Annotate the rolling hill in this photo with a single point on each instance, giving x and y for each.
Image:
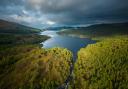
(26, 65)
(98, 30)
(15, 28)
(103, 65)
(13, 33)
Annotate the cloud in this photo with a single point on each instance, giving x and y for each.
(50, 22)
(65, 12)
(82, 11)
(11, 2)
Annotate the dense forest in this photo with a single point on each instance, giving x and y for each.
(32, 67)
(103, 65)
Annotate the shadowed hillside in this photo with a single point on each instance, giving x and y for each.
(15, 28)
(12, 33)
(98, 30)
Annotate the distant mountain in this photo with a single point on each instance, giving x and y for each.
(99, 30)
(11, 27)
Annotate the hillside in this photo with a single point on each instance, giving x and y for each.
(24, 64)
(15, 34)
(32, 67)
(98, 30)
(103, 65)
(15, 28)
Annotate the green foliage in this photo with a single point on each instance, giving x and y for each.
(16, 39)
(15, 34)
(23, 65)
(103, 65)
(32, 67)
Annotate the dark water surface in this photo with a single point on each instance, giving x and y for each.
(72, 43)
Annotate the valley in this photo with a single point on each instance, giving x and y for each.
(56, 60)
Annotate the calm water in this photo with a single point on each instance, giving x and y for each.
(71, 43)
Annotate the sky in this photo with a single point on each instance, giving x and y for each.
(49, 13)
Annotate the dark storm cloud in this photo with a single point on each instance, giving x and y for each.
(10, 2)
(8, 7)
(82, 11)
(66, 12)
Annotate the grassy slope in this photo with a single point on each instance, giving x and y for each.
(103, 65)
(32, 67)
(24, 65)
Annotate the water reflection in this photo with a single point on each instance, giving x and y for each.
(71, 43)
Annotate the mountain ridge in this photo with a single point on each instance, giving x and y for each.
(98, 30)
(12, 27)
